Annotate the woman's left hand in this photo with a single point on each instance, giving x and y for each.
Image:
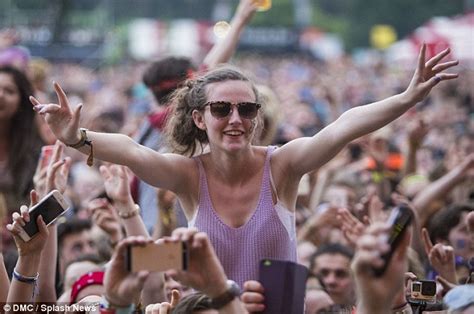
(429, 74)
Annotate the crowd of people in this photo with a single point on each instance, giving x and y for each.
(282, 158)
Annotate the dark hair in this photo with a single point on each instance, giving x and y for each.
(443, 221)
(72, 226)
(183, 135)
(25, 141)
(193, 302)
(162, 77)
(332, 249)
(92, 258)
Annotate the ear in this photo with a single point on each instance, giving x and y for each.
(198, 118)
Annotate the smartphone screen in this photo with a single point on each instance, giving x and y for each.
(158, 257)
(49, 208)
(399, 220)
(284, 283)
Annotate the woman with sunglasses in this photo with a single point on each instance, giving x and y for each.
(242, 195)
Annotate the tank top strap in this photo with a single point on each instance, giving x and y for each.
(203, 190)
(267, 185)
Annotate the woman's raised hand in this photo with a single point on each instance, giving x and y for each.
(60, 118)
(429, 74)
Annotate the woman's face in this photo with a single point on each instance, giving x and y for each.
(9, 97)
(233, 132)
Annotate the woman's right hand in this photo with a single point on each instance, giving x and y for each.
(60, 118)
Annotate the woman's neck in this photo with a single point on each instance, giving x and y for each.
(235, 166)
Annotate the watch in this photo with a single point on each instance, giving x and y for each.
(233, 291)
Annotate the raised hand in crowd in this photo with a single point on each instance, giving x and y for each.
(441, 258)
(416, 134)
(117, 188)
(123, 288)
(352, 228)
(429, 74)
(376, 294)
(438, 189)
(104, 216)
(52, 174)
(315, 229)
(164, 307)
(62, 121)
(205, 272)
(223, 50)
(25, 275)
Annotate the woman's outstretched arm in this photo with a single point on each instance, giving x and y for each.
(306, 154)
(169, 171)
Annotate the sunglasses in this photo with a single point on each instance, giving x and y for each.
(222, 109)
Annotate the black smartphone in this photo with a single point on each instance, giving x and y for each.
(50, 208)
(155, 257)
(399, 220)
(284, 284)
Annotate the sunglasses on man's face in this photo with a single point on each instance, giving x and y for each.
(223, 109)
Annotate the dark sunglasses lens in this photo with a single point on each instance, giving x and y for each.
(248, 110)
(220, 109)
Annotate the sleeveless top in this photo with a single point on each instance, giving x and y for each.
(269, 233)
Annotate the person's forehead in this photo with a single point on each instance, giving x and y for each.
(332, 261)
(83, 236)
(231, 90)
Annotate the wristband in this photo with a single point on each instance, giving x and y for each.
(130, 214)
(84, 141)
(25, 279)
(108, 308)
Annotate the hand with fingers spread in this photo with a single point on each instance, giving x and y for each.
(117, 184)
(253, 296)
(352, 228)
(164, 307)
(376, 294)
(122, 287)
(61, 119)
(105, 217)
(441, 257)
(428, 74)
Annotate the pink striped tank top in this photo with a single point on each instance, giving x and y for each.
(269, 233)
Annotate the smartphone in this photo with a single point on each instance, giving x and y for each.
(50, 208)
(284, 283)
(158, 257)
(399, 220)
(46, 154)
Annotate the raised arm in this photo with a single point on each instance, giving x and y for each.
(169, 171)
(118, 189)
(306, 154)
(440, 188)
(223, 50)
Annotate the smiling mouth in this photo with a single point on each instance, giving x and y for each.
(234, 133)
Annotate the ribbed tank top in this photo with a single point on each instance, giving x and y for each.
(269, 233)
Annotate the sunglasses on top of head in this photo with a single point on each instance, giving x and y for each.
(223, 109)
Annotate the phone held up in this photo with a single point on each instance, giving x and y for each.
(399, 220)
(284, 283)
(160, 257)
(50, 208)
